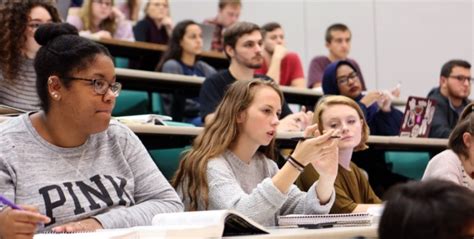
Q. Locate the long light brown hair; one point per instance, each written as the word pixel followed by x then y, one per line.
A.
pixel 216 138
pixel 109 24
pixel 327 101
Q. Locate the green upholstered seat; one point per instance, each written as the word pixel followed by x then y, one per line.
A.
pixel 408 164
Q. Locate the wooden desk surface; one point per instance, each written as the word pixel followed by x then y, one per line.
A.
pixel 148 54
pixel 325 233
pixel 159 137
pixel 190 85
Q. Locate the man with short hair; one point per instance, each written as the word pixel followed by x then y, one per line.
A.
pixel 243 46
pixel 451 97
pixel 229 12
pixel 338 42
pixel 282 66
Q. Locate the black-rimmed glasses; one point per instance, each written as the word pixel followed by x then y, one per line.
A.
pixel 100 86
pixel 462 78
pixel 345 79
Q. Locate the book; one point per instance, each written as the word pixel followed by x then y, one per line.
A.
pixel 198 224
pixel 340 219
pixel 10 111
pixel 418 117
pixel 144 119
pixel 218 223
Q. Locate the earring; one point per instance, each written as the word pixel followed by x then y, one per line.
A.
pixel 55 95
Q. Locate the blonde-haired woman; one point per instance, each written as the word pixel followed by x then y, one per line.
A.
pixel 100 19
pixel 157 25
pixel 353 192
pixel 229 166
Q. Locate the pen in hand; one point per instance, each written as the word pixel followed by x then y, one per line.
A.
pixel 6 202
pixel 310 137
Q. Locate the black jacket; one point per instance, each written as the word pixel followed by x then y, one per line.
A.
pixel 445 117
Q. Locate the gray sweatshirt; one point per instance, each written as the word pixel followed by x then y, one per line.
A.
pixel 111 177
pixel 248 188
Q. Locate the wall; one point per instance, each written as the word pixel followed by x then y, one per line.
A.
pixel 393 41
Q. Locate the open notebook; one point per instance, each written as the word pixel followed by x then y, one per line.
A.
pixel 418 117
pixel 199 224
pixel 144 119
pixel 341 219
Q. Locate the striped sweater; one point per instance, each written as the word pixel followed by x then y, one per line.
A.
pixel 21 93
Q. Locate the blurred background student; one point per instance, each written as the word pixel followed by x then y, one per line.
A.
pixel 18 23
pixel 157 25
pixel 181 57
pixel 435 209
pixel 100 19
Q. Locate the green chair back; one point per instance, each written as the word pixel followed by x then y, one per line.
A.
pixel 131 102
pixel 167 160
pixel 408 164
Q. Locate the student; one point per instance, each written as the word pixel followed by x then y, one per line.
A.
pixel 341 78
pixel 434 209
pixel 451 96
pixel 100 19
pixel 456 163
pixel 282 66
pixel 157 25
pixel 229 166
pixel 18 23
pixel 353 192
pixel 68 166
pixel 338 42
pixel 181 58
pixel 242 42
pixel 229 12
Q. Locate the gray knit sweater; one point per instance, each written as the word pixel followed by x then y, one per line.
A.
pixel 248 188
pixel 110 177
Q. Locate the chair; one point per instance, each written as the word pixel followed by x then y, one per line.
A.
pixel 131 102
pixel 408 164
pixel 167 160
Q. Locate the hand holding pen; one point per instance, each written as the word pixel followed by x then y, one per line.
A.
pixel 19 221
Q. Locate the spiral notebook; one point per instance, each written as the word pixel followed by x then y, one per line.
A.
pixel 341 219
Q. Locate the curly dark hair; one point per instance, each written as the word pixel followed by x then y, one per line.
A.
pixel 13 23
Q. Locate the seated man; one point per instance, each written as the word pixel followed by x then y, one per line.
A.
pixel 338 42
pixel 242 44
pixel 451 97
pixel 229 12
pixel 282 66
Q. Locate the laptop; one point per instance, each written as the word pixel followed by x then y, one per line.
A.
pixel 418 117
pixel 207 35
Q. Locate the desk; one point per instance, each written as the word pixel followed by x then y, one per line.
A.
pixel 190 85
pixel 149 54
pixel 326 233
pixel 154 136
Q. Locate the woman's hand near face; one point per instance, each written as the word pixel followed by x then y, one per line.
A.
pixel 85 225
pixel 167 22
pixel 103 34
pixel 117 14
pixel 20 223
pixel 296 121
pixel 371 97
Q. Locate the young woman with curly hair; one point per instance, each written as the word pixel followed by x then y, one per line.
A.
pixel 18 23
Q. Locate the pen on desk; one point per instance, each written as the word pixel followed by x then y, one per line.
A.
pixel 318 225
pixel 310 137
pixel 6 202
